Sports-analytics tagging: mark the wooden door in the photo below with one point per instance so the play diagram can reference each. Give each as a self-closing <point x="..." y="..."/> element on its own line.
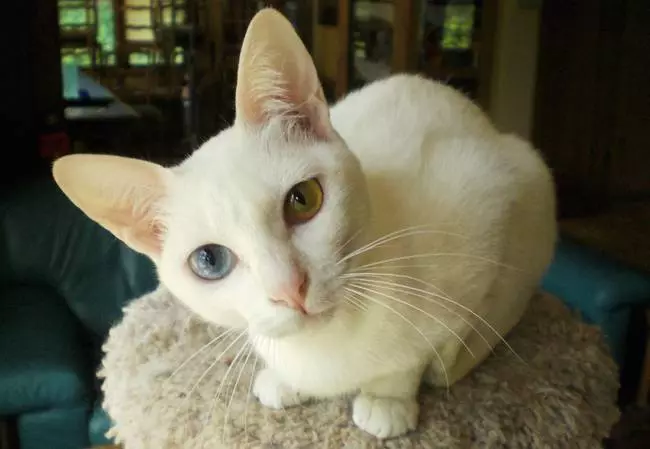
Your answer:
<point x="593" y="100"/>
<point x="442" y="39"/>
<point x="375" y="38"/>
<point x="629" y="160"/>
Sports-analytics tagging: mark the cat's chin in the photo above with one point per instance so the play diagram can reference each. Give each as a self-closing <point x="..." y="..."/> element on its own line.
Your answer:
<point x="277" y="328"/>
<point x="290" y="325"/>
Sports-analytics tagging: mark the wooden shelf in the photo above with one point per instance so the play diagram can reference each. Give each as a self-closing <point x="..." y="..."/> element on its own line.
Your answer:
<point x="444" y="73"/>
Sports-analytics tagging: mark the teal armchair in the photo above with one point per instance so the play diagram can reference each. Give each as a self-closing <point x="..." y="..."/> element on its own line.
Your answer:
<point x="63" y="282"/>
<point x="603" y="291"/>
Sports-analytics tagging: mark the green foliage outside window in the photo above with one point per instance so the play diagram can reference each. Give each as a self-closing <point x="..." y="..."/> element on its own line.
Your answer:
<point x="106" y="25"/>
<point x="73" y="17"/>
<point x="150" y="58"/>
<point x="458" y="27"/>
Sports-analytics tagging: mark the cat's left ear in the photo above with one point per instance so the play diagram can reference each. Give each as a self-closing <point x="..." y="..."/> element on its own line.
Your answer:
<point x="277" y="78"/>
<point x="121" y="194"/>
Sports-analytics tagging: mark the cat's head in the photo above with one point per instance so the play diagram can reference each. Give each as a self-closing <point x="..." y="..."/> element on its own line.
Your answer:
<point x="249" y="230"/>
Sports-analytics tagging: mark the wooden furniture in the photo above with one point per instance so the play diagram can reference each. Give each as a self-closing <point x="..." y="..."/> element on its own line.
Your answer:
<point x="32" y="103"/>
<point x="448" y="41"/>
<point x="81" y="36"/>
<point x="98" y="103"/>
<point x="592" y="109"/>
<point x="4" y="435"/>
<point x="644" y="383"/>
<point x="378" y="40"/>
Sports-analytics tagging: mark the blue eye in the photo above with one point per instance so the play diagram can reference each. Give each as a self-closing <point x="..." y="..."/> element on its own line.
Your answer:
<point x="212" y="262"/>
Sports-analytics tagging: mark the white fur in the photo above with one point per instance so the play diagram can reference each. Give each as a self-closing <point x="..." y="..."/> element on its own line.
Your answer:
<point x="413" y="152"/>
<point x="467" y="217"/>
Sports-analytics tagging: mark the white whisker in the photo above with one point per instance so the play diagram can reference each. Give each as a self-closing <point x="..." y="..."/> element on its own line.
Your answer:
<point x="215" y="399"/>
<point x="215" y="340"/>
<point x="426" y="255"/>
<point x="417" y="329"/>
<point x="349" y="240"/>
<point x="364" y="285"/>
<point x="402" y="233"/>
<point x="446" y="297"/>
<point x="213" y="364"/>
<point x="419" y="293"/>
<point x="234" y="389"/>
<point x="356" y="303"/>
<point x="400" y="288"/>
<point x="248" y="397"/>
<point x="239" y="354"/>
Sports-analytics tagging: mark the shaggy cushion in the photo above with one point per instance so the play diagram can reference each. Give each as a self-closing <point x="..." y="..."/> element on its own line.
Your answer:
<point x="562" y="397"/>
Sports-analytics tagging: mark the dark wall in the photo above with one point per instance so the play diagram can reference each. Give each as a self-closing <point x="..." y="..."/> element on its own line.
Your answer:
<point x="31" y="101"/>
<point x="593" y="100"/>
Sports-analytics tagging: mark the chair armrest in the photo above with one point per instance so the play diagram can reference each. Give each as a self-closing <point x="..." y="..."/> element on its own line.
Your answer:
<point x="603" y="290"/>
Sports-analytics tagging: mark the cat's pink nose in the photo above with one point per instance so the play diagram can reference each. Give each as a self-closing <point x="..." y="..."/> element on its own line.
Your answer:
<point x="293" y="293"/>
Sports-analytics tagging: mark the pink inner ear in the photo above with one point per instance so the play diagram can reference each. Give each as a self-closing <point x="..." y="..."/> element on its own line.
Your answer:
<point x="308" y="113"/>
<point x="277" y="79"/>
<point x="317" y="119"/>
<point x="310" y="116"/>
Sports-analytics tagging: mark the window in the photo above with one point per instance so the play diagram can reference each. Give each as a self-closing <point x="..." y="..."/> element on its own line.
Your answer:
<point x="106" y="27"/>
<point x="88" y="31"/>
<point x="458" y="27"/>
<point x="149" y="24"/>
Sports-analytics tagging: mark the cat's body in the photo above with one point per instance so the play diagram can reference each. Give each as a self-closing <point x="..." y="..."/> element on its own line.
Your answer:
<point x="430" y="157"/>
<point x="358" y="249"/>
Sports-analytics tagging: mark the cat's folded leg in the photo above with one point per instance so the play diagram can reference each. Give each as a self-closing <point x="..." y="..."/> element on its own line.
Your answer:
<point x="459" y="362"/>
<point x="273" y="393"/>
<point x="387" y="407"/>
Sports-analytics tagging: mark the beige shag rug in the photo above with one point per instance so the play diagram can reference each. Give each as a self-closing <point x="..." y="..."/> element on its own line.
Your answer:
<point x="563" y="397"/>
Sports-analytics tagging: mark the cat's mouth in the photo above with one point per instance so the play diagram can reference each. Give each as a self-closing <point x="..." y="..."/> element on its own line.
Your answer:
<point x="321" y="315"/>
<point x="293" y="322"/>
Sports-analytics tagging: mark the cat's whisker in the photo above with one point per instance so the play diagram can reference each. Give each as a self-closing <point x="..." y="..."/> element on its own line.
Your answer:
<point x="234" y="389"/>
<point x="359" y="304"/>
<point x="248" y="396"/>
<point x="365" y="285"/>
<point x="402" y="233"/>
<point x="359" y="292"/>
<point x="232" y="364"/>
<point x="349" y="240"/>
<point x="369" y="244"/>
<point x="224" y="380"/>
<point x="355" y="303"/>
<point x="450" y="254"/>
<point x="213" y="364"/>
<point x="430" y="296"/>
<point x="400" y="288"/>
<point x="212" y="342"/>
<point x="392" y="267"/>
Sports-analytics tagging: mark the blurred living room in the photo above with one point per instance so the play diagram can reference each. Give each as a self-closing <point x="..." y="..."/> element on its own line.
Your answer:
<point x="154" y="79"/>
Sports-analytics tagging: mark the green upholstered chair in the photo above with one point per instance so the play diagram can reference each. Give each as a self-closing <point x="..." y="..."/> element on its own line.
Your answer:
<point x="63" y="282"/>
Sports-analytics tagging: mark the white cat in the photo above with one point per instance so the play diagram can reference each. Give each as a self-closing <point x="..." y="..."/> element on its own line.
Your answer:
<point x="394" y="237"/>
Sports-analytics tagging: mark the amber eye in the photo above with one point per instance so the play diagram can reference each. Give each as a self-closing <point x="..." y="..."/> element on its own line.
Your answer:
<point x="303" y="202"/>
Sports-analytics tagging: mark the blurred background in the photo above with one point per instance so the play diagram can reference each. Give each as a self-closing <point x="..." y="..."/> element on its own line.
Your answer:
<point x="155" y="78"/>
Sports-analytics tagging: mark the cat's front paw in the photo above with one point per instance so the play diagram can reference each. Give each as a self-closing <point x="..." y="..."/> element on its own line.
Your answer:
<point x="385" y="417"/>
<point x="272" y="393"/>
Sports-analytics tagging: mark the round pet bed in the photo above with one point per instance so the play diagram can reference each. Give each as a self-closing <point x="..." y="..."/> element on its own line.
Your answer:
<point x="562" y="397"/>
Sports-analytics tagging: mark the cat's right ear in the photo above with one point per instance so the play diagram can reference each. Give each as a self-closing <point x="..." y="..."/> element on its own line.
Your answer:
<point x="277" y="79"/>
<point x="121" y="194"/>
